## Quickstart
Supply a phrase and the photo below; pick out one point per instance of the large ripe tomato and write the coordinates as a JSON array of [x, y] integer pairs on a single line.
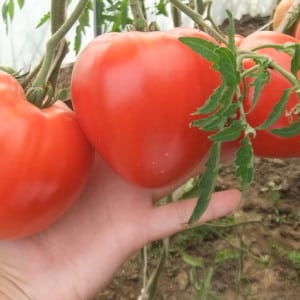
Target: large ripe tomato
[[134, 94], [265, 143], [45, 159]]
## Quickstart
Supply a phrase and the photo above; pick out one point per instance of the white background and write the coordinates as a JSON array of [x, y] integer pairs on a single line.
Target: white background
[[24, 44]]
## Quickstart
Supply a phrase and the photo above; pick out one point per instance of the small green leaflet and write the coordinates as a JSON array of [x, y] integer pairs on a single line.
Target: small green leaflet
[[277, 111], [207, 182], [295, 66], [231, 31], [290, 131], [211, 123], [44, 19], [84, 21], [8, 10], [229, 133], [21, 3], [161, 8], [213, 101], [244, 162], [227, 65], [261, 78], [217, 120], [223, 59], [204, 48]]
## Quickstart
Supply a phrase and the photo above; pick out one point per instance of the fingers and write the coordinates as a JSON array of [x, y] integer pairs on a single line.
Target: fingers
[[227, 155], [171, 218]]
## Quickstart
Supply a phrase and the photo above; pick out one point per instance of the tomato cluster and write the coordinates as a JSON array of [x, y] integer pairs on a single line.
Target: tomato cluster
[[134, 94]]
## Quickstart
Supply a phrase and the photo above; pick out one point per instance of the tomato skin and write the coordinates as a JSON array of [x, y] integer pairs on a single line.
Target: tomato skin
[[297, 31], [134, 94], [45, 160], [265, 143]]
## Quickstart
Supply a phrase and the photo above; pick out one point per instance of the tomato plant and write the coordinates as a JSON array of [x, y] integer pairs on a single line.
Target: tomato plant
[[45, 160], [266, 143], [134, 94]]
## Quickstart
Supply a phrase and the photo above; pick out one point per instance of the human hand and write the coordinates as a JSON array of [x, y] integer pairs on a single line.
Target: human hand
[[79, 254]]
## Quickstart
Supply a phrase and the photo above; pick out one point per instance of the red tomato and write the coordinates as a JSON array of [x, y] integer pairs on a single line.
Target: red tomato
[[265, 143], [134, 94], [44, 162]]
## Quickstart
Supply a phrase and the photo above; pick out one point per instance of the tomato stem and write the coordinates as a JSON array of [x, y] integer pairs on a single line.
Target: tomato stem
[[198, 19], [53, 42], [272, 64], [140, 22]]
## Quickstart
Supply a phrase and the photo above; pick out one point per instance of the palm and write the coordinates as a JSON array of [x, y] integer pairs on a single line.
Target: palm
[[78, 255]]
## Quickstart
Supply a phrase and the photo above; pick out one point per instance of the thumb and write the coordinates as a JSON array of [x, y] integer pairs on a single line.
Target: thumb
[[171, 218]]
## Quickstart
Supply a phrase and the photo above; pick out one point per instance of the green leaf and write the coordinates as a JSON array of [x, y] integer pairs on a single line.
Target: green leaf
[[216, 121], [230, 133], [290, 131], [11, 9], [207, 182], [213, 101], [231, 31], [192, 260], [21, 3], [211, 123], [227, 65], [244, 162], [161, 8], [84, 21], [277, 111], [261, 78], [205, 48], [45, 18], [295, 66]]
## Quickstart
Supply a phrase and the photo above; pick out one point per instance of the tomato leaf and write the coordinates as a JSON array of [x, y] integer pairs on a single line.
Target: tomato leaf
[[21, 3], [244, 162], [84, 21], [229, 133], [8, 10], [295, 65], [290, 131], [207, 182], [204, 48], [227, 65], [231, 31], [44, 19], [277, 111], [213, 101], [216, 121], [261, 78], [211, 123], [161, 8]]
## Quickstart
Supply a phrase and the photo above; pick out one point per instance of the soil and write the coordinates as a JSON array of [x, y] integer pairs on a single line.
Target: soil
[[252, 255]]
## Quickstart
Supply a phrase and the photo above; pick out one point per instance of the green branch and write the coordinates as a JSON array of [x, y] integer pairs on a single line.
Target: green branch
[[197, 18], [140, 22], [53, 42]]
